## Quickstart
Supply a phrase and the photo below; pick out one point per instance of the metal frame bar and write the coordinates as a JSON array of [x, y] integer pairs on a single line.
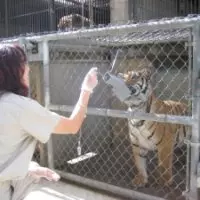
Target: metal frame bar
[[105, 44], [46, 90], [131, 194], [127, 114], [190, 64], [195, 138]]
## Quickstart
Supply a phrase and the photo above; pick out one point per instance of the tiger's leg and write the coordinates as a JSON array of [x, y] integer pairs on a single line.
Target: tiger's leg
[[141, 178], [165, 159]]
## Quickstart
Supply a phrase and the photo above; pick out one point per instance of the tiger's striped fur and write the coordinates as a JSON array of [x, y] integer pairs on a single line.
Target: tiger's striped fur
[[73, 21], [148, 136]]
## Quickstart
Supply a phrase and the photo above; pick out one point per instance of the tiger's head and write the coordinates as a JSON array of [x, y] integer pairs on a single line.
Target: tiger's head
[[139, 84], [73, 21]]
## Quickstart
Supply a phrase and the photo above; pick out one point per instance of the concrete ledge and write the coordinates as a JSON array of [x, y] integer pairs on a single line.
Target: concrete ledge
[[65, 191]]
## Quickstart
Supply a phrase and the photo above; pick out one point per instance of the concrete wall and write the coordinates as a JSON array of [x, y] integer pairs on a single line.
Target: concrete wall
[[122, 11], [119, 11], [154, 9]]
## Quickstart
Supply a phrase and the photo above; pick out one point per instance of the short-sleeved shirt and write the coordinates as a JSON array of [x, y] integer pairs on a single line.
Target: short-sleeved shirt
[[22, 117]]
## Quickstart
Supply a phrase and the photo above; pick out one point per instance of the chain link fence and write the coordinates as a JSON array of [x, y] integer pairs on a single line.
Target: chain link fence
[[112, 139], [136, 145]]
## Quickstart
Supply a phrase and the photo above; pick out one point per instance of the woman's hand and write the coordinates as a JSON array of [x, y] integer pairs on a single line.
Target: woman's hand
[[74, 122], [90, 81], [37, 172]]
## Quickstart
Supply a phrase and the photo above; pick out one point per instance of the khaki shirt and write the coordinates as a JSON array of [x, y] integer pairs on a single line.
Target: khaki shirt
[[22, 117]]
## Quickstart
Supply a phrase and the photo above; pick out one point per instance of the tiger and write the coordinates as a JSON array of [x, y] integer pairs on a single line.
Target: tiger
[[72, 21], [148, 136]]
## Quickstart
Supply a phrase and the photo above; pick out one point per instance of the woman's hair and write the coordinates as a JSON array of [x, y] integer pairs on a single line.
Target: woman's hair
[[12, 65]]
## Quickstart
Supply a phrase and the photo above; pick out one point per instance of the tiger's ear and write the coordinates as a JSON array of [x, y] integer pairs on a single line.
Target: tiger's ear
[[120, 75], [123, 76], [146, 73]]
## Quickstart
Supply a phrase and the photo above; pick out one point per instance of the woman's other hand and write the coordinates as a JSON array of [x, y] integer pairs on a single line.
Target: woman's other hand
[[90, 81]]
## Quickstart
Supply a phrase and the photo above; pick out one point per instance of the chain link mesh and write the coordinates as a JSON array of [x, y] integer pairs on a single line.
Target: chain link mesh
[[169, 52]]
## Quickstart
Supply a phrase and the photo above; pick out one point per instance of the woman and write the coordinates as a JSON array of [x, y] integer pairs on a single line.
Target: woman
[[23, 122]]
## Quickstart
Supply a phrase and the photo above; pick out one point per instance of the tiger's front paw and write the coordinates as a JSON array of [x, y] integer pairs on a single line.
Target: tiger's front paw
[[166, 179], [140, 180]]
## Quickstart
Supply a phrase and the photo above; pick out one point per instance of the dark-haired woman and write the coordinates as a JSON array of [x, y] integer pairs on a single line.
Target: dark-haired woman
[[23, 122]]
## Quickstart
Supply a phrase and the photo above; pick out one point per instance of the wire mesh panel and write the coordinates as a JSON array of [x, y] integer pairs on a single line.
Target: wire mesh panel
[[134, 153]]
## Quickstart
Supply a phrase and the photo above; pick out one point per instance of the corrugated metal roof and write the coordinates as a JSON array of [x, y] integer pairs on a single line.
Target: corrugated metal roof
[[151, 36], [156, 36]]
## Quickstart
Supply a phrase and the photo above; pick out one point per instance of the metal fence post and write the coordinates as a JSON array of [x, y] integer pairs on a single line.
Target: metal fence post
[[52, 16], [46, 91], [6, 18], [82, 12], [195, 138], [91, 13]]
